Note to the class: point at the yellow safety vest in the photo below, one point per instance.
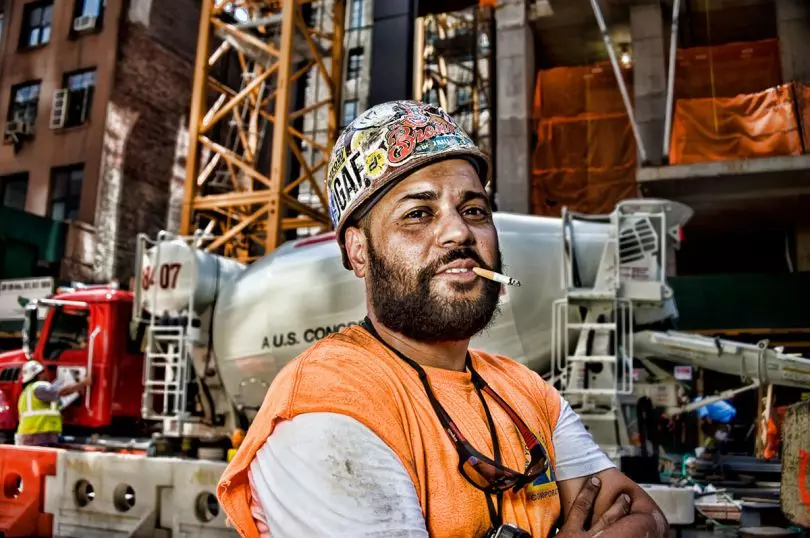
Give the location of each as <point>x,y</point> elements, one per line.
<point>35,415</point>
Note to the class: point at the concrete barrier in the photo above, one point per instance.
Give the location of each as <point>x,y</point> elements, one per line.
<point>108,495</point>
<point>677,504</point>
<point>192,509</point>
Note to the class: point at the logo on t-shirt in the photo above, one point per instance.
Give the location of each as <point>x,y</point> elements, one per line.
<point>545,485</point>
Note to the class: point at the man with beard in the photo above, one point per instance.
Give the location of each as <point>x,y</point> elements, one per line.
<point>395,427</point>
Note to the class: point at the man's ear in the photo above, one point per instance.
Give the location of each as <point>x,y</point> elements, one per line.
<point>356,250</point>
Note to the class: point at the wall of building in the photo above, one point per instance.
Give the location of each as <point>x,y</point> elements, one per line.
<point>146,130</point>
<point>132,147</point>
<point>48,63</point>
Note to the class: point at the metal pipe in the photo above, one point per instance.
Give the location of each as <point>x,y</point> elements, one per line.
<point>91,344</point>
<point>597,11</point>
<point>673,45</point>
<point>419,59</point>
<point>60,302</point>
<point>198,95</point>
<point>725,395</point>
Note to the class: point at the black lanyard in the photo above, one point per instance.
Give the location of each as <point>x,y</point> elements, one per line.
<point>494,515</point>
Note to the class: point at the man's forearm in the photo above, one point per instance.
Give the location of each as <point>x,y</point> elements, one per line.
<point>643,518</point>
<point>638,525</point>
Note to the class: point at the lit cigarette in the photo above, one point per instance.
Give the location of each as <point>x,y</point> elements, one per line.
<point>497,277</point>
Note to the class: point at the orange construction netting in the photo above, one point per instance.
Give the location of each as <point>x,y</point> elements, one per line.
<point>585,157</point>
<point>730,104</point>
<point>727,70</point>
<point>746,126</point>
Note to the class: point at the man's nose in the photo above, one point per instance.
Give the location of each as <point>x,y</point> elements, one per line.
<point>452,230</point>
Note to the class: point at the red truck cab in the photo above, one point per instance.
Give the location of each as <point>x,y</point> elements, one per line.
<point>85,329</point>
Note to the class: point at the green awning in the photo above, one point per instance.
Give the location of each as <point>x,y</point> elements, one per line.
<point>10,328</point>
<point>727,302</point>
<point>25,239</point>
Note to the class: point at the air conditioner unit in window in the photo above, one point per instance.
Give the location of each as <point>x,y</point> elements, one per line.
<point>59,108</point>
<point>87,22</point>
<point>13,127</point>
<point>18,127</point>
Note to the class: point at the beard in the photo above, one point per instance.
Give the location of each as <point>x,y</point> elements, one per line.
<point>403,301</point>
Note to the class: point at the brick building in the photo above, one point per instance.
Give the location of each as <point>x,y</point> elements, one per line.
<point>95,98</point>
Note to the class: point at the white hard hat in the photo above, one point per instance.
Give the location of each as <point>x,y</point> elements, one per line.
<point>30,370</point>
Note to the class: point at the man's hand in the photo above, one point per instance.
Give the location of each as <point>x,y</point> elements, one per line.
<point>643,517</point>
<point>80,386</point>
<point>582,511</point>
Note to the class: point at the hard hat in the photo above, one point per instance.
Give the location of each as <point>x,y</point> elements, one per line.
<point>30,370</point>
<point>382,146</point>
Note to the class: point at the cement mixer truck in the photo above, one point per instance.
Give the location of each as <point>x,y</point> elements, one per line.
<point>593,298</point>
<point>210,333</point>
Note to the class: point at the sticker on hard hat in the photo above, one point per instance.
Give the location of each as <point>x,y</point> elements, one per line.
<point>385,137</point>
<point>407,138</point>
<point>375,164</point>
<point>349,183</point>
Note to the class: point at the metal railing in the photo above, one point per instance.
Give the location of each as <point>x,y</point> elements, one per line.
<point>168,359</point>
<point>91,344</point>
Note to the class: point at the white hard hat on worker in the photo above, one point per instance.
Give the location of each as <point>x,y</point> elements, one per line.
<point>30,370</point>
<point>384,145</point>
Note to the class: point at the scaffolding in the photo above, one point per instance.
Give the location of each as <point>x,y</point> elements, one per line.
<point>253,177</point>
<point>453,63</point>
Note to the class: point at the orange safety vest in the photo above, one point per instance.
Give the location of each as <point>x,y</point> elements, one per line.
<point>346,371</point>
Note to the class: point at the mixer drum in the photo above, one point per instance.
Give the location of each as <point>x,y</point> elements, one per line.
<point>174,274</point>
<point>285,302</point>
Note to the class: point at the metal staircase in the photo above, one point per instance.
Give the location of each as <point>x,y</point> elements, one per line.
<point>592,325</point>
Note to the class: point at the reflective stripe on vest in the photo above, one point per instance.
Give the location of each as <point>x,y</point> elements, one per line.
<point>36,415</point>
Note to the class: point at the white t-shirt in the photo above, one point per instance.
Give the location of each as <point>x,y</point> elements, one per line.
<point>326,474</point>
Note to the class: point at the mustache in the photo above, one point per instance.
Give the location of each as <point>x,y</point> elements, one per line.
<point>461,253</point>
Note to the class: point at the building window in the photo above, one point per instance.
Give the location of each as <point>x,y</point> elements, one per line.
<point>24,102</point>
<point>90,8</point>
<point>66,191</point>
<point>355,63</point>
<point>88,15</point>
<point>349,111</point>
<point>356,14</point>
<point>36,28</point>
<point>463,96</point>
<point>13,190</point>
<point>79,87</point>
<point>10,373</point>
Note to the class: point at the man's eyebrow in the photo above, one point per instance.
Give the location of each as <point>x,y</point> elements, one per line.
<point>423,195</point>
<point>469,196</point>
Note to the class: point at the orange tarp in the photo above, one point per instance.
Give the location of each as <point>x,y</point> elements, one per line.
<point>741,127</point>
<point>585,157</point>
<point>727,70</point>
<point>574,91</point>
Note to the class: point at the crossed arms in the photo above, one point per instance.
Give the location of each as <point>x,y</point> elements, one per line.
<point>609,505</point>
<point>294,477</point>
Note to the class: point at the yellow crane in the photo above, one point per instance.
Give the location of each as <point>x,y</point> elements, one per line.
<point>250,131</point>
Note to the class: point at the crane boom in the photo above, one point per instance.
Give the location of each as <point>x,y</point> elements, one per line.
<point>751,361</point>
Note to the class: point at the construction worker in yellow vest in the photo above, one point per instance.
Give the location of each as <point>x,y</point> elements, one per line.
<point>39,408</point>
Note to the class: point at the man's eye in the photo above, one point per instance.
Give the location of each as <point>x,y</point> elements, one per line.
<point>416,214</point>
<point>476,212</point>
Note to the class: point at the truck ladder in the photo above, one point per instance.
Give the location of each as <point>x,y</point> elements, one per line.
<point>592,325</point>
<point>168,355</point>
<point>166,373</point>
